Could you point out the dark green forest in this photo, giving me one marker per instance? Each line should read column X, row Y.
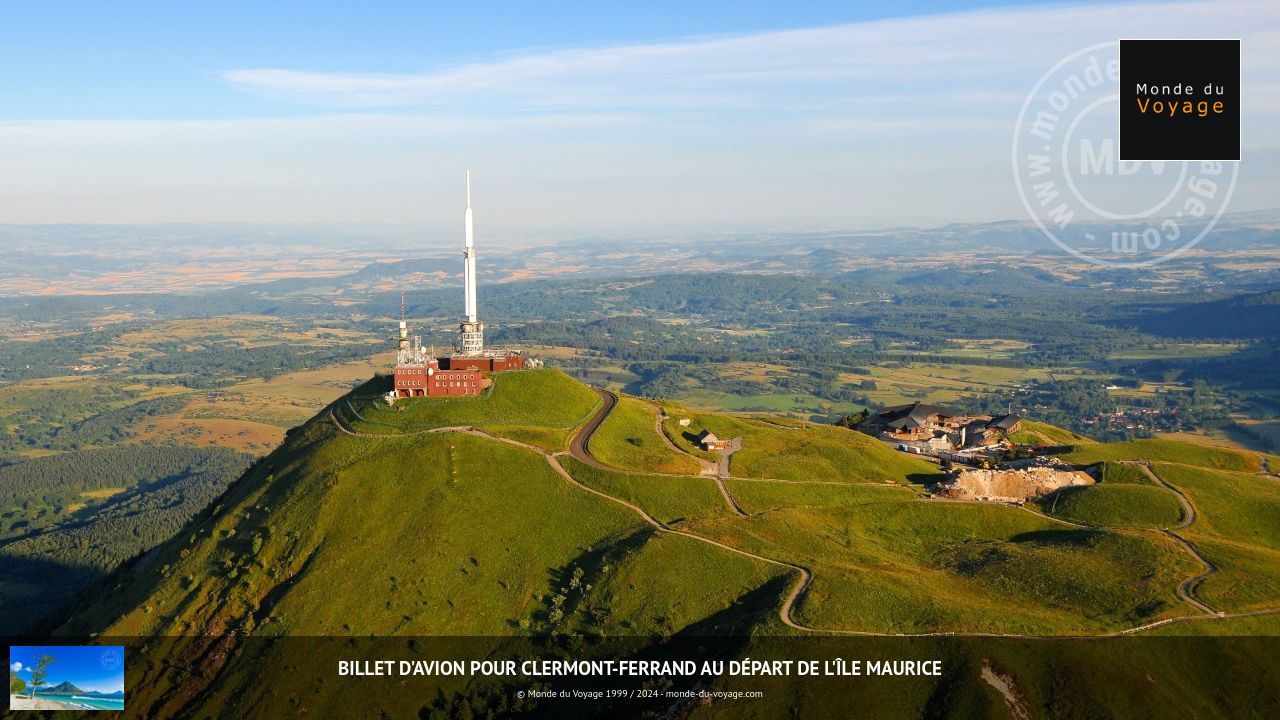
column 54, row 541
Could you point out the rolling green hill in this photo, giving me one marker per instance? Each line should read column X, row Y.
column 799, row 451
column 1238, row 529
column 540, row 407
column 383, row 530
column 373, row 521
column 1168, row 451
column 627, row 440
column 1119, row 505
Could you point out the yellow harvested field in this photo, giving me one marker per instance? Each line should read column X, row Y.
column 1216, row 439
column 251, row 437
column 993, row 347
column 101, row 493
column 318, row 387
column 938, row 382
column 752, row 371
column 555, row 351
column 1146, row 389
column 258, row 407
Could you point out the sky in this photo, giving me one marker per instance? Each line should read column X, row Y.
column 81, row 666
column 574, row 118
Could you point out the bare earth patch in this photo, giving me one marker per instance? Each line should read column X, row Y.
column 1012, row 486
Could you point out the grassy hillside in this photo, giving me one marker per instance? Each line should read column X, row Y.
column 1118, row 505
column 1265, row 626
column 1037, row 433
column 1238, row 529
column 549, row 439
column 758, row 496
column 803, row 451
column 341, row 535
column 1234, row 506
column 383, row 531
column 409, row 533
column 544, row 398
column 668, row 499
column 884, row 559
column 627, row 439
column 1166, row 451
column 1115, row 473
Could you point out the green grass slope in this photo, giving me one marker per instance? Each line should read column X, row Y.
column 1037, row 433
column 1166, row 451
column 422, row 534
column 545, row 398
column 1238, row 529
column 380, row 535
column 1115, row 473
column 1119, row 505
column 758, row 496
column 885, row 560
column 802, row 452
column 667, row 499
column 628, row 439
column 410, row 533
column 1233, row 506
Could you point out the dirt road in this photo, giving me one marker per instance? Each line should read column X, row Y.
column 726, row 457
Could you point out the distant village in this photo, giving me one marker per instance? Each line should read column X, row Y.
column 1139, row 421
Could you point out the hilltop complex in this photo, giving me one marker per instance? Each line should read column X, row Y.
column 419, row 373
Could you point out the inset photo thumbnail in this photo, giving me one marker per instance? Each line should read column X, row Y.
column 66, row 677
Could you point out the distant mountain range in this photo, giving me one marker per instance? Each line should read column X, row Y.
column 67, row 688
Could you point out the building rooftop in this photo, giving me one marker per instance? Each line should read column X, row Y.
column 1004, row 422
column 914, row 415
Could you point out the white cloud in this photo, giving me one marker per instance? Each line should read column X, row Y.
column 904, row 120
column 16, row 667
column 953, row 58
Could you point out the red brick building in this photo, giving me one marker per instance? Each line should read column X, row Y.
column 490, row 361
column 428, row 380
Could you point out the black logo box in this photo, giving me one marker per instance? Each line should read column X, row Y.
column 1205, row 73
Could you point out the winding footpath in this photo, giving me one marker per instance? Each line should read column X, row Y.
column 719, row 471
column 579, row 449
column 1188, row 586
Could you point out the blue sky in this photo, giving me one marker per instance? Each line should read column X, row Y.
column 575, row 118
column 139, row 60
column 81, row 666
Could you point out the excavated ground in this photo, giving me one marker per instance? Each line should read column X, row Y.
column 1012, row 486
